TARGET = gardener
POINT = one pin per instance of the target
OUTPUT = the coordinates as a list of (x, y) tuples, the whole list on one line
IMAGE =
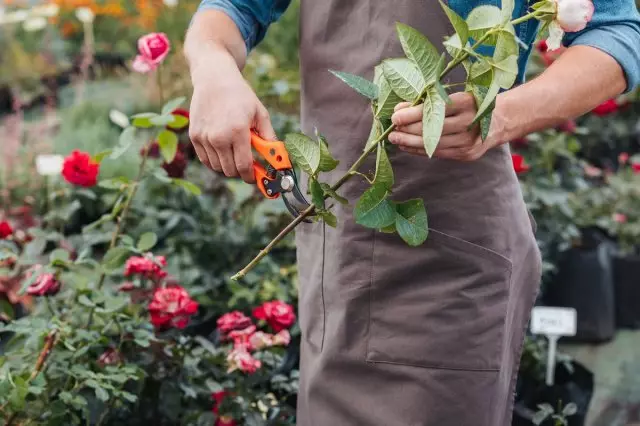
[(394, 335)]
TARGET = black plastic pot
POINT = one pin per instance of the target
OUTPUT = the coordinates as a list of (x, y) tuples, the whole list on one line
[(585, 282), (626, 272), (573, 384)]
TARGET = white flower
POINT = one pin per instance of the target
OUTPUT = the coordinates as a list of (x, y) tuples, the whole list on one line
[(574, 15), (170, 3), (49, 165), (85, 15), (571, 16), (119, 118), (17, 16), (34, 24)]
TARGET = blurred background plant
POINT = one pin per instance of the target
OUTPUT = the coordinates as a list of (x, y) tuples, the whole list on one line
[(66, 83)]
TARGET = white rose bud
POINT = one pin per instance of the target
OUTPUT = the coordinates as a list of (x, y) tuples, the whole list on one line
[(571, 16), (49, 165), (34, 24)]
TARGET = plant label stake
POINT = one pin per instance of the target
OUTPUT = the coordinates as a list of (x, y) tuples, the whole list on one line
[(553, 323)]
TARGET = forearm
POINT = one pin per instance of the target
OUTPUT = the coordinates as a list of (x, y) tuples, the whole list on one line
[(213, 38), (582, 78)]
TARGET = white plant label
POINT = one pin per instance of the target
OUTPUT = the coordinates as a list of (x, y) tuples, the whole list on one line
[(554, 321)]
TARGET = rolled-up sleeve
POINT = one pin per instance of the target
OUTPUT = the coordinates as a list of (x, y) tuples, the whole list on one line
[(614, 29), (252, 17)]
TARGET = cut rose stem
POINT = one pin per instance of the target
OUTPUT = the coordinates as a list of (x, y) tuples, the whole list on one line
[(353, 170)]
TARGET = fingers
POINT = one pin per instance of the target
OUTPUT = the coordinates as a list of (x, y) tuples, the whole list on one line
[(406, 139), (227, 162), (242, 156), (414, 151), (407, 115), (263, 124), (460, 102)]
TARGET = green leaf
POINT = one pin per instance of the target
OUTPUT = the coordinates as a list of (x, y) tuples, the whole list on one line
[(357, 83), (329, 218), (162, 120), (439, 69), (304, 152), (114, 183), (327, 162), (391, 229), (570, 409), (85, 301), (507, 10), (102, 155), (326, 188), (376, 132), (172, 105), (317, 194), (179, 121), (404, 77), (168, 142), (411, 222), (100, 392), (387, 98), (143, 121), (459, 25), (373, 209), (115, 258), (483, 18), (479, 93), (433, 113), (419, 49), (61, 255), (147, 241), (486, 107), (453, 45), (6, 309), (127, 137), (384, 171), (481, 73), (189, 186)]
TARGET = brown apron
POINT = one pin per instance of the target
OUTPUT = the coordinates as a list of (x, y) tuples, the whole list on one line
[(394, 335)]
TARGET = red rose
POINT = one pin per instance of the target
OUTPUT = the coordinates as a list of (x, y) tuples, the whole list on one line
[(184, 113), (277, 314), (222, 420), (171, 306), (235, 320), (147, 266), (518, 163), (152, 49), (606, 108), (109, 357), (635, 167), (241, 359), (5, 230), (542, 46), (177, 167), (79, 169), (45, 285)]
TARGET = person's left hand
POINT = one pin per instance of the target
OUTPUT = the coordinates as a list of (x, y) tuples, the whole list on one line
[(458, 141)]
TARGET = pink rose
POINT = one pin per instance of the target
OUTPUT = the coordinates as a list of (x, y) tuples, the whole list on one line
[(230, 321), (260, 340), (146, 266), (241, 359), (152, 49), (282, 338), (277, 314), (619, 218), (241, 337), (109, 357), (171, 306), (571, 16), (45, 285)]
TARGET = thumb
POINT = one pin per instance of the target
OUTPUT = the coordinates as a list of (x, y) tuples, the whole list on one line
[(263, 124)]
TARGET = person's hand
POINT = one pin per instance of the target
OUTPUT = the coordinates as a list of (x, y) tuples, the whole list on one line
[(458, 141), (224, 109)]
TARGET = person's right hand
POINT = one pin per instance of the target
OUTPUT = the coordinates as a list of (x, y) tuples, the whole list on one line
[(224, 109)]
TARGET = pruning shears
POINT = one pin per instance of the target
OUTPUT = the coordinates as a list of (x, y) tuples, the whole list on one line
[(279, 177)]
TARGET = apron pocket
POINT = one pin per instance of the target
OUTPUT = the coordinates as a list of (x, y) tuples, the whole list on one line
[(439, 305)]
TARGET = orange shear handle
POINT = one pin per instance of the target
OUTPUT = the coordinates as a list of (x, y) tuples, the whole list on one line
[(276, 155)]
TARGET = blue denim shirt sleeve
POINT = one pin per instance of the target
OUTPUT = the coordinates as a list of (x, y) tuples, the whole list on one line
[(252, 17), (614, 29)]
